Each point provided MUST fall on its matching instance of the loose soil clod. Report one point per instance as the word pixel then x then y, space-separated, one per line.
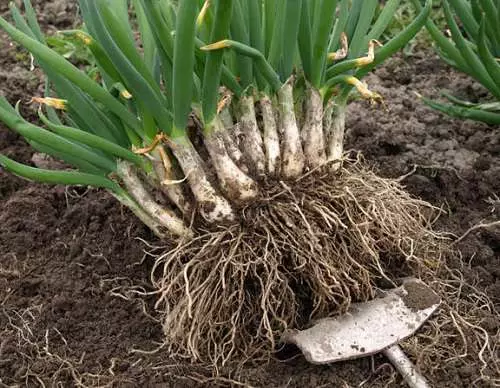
pixel 419 296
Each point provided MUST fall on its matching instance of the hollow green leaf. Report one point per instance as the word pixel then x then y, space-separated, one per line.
pixel 363 24
pixel 261 63
pixel 354 14
pixel 399 41
pixel 20 22
pixel 58 143
pixel 142 87
pixel 305 39
pixel 58 177
pixel 465 112
pixel 290 35
pixel 391 47
pixel 490 63
pixel 75 161
pixel 32 20
pixel 475 65
pixel 464 12
pixel 240 32
pixel 492 30
pixel 69 71
pixel 184 59
pixel 228 79
pixel 340 25
pixel 321 39
pixel 383 21
pixel 213 65
pixel 447 49
pixel 66 69
pixel 92 141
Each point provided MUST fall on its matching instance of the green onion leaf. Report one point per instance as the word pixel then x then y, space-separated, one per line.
pixel 184 58
pixel 57 177
pixel 69 71
pixel 464 113
pixel 213 65
pixel 262 64
pixel 91 140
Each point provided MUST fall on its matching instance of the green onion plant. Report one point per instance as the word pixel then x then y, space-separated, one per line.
pixel 265 81
pixel 473 47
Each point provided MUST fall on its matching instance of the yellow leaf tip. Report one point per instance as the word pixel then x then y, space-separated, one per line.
pixel 55 103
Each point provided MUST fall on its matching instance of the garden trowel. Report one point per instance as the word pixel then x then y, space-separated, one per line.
pixel 371 327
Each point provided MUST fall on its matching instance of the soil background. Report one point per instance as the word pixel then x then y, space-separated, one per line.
pixel 73 261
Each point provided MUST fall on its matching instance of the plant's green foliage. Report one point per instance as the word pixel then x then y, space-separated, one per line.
pixel 387 50
pixel 477 113
pixel 317 26
pixel 340 25
pixel 321 33
pixel 213 65
pixel 305 39
pixel 184 60
pixel 474 49
pixel 147 63
pixel 290 33
pixel 57 177
pixel 91 140
pixel 240 31
pixel 264 66
pixel 73 48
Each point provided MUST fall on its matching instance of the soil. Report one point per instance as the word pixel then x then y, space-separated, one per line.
pixel 76 305
pixel 419 296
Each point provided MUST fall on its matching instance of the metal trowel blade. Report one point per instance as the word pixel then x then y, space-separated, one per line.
pixel 370 327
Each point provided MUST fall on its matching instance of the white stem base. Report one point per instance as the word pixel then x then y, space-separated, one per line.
pixel 271 137
pixel 293 159
pixel 312 131
pixel 230 142
pixel 213 206
pixel 235 184
pixel 159 230
pixel 165 172
pixel 164 217
pixel 336 132
pixel 251 139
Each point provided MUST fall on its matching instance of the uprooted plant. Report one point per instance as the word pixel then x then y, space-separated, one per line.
pixel 224 133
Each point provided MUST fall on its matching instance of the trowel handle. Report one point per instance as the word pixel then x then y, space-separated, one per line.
pixel 404 366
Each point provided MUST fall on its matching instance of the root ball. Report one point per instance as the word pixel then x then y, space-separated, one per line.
pixel 305 251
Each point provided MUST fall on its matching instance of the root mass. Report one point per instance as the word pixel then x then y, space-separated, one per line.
pixel 303 251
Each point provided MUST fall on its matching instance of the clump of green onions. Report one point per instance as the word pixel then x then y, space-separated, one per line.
pixel 474 48
pixel 267 82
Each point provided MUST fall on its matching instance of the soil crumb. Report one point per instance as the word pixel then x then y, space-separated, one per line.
pixel 419 296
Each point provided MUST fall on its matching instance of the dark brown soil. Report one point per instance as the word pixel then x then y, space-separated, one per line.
pixel 72 261
pixel 419 296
